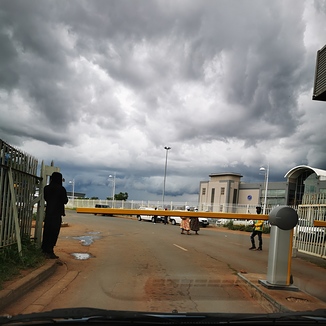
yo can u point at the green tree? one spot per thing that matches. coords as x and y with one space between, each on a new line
121 196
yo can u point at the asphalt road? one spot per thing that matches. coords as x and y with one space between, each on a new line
142 266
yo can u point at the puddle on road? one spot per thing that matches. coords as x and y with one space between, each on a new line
298 300
87 240
81 256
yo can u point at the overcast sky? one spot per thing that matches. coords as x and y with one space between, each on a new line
100 87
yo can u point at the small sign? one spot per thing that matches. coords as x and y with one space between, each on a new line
249 197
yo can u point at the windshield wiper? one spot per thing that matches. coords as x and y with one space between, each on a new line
94 315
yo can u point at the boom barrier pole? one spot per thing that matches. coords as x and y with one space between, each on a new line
121 211
283 219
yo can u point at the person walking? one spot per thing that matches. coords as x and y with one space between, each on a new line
194 224
257 231
55 196
185 224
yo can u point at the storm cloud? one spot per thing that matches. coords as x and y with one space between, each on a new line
100 87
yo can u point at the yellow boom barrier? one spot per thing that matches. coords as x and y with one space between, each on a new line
320 223
122 211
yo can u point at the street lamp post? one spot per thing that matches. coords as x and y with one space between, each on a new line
113 185
166 163
72 182
266 171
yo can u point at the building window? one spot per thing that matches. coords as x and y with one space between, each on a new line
274 193
203 191
222 191
274 197
213 196
235 196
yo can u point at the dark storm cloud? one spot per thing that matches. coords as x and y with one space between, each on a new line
110 83
8 57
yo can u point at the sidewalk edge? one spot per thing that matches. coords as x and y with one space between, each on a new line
279 300
267 301
26 283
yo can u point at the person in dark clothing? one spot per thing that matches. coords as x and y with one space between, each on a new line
194 224
55 196
165 218
155 217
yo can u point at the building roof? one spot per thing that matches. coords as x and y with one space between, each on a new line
297 170
226 173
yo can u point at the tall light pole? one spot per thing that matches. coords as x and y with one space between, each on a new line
166 164
266 171
113 185
72 182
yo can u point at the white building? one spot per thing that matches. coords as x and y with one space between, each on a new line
223 191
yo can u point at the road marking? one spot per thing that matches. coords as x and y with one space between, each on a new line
180 247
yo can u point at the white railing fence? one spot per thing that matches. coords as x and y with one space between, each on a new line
134 204
308 238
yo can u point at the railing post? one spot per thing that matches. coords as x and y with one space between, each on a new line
45 171
15 211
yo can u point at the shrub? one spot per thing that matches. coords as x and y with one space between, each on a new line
246 228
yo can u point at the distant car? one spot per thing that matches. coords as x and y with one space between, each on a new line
148 217
221 221
177 220
102 206
203 221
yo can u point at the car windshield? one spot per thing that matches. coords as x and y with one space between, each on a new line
156 156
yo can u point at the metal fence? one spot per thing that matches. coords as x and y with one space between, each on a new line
18 182
308 238
134 204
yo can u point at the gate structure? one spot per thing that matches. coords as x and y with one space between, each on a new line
21 191
18 184
308 238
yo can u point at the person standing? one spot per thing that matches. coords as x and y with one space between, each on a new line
165 218
257 231
155 217
55 196
194 224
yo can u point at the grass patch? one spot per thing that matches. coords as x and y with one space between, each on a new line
12 264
